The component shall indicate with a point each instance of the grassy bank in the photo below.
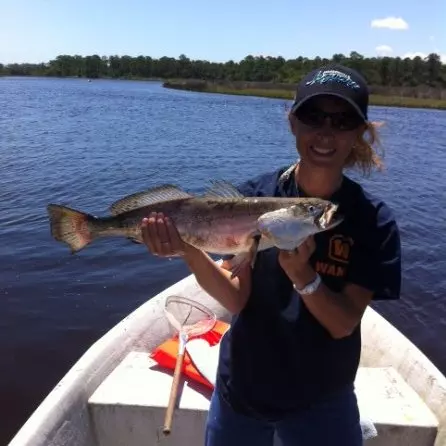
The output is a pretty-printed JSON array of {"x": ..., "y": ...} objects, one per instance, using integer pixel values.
[{"x": 286, "y": 92}]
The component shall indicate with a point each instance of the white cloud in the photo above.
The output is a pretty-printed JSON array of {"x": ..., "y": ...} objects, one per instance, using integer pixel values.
[
  {"x": 390, "y": 23},
  {"x": 383, "y": 50}
]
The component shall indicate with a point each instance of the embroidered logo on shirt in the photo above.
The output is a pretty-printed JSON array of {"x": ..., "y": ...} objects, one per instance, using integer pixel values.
[
  {"x": 330, "y": 269},
  {"x": 339, "y": 248},
  {"x": 322, "y": 77}
]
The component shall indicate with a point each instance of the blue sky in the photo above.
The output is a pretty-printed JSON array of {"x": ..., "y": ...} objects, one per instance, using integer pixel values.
[{"x": 39, "y": 30}]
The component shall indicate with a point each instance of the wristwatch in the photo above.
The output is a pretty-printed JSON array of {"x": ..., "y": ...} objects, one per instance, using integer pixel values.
[{"x": 311, "y": 287}]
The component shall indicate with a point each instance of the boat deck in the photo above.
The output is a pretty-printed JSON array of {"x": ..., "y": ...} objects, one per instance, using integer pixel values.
[
  {"x": 398, "y": 388},
  {"x": 128, "y": 408}
]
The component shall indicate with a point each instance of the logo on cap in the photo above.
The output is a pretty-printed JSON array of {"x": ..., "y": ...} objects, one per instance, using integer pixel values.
[{"x": 322, "y": 77}]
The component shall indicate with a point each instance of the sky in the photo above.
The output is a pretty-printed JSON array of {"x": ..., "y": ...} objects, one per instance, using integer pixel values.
[{"x": 39, "y": 30}]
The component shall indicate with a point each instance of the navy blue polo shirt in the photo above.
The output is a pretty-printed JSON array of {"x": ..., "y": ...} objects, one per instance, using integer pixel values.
[{"x": 277, "y": 358}]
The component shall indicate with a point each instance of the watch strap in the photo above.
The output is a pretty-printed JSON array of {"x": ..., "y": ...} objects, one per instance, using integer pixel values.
[{"x": 311, "y": 287}]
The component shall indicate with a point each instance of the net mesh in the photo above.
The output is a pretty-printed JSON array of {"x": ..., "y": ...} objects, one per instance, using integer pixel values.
[{"x": 188, "y": 316}]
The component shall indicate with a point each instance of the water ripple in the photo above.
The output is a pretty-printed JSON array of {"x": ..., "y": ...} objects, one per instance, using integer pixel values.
[{"x": 87, "y": 144}]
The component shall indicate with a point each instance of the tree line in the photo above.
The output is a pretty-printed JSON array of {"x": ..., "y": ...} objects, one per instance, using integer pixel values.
[{"x": 379, "y": 71}]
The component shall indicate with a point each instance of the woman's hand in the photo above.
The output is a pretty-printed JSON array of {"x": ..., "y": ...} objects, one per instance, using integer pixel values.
[
  {"x": 161, "y": 236},
  {"x": 296, "y": 263}
]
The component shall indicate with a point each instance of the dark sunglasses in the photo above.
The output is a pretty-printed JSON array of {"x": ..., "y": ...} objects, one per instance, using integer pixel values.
[{"x": 315, "y": 118}]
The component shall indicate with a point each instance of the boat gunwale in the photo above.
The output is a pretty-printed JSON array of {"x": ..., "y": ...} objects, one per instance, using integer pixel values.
[
  {"x": 85, "y": 376},
  {"x": 69, "y": 398}
]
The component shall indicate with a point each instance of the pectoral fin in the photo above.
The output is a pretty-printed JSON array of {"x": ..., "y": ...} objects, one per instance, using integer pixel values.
[
  {"x": 242, "y": 259},
  {"x": 255, "y": 249}
]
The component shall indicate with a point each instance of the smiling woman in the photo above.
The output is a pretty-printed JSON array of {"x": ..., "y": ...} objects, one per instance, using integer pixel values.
[
  {"x": 345, "y": 119},
  {"x": 301, "y": 310},
  {"x": 344, "y": 141}
]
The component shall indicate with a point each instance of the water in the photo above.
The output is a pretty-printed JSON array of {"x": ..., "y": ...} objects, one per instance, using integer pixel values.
[{"x": 87, "y": 144}]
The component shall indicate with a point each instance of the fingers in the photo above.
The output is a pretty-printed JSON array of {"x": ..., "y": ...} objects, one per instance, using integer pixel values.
[
  {"x": 152, "y": 234},
  {"x": 176, "y": 243},
  {"x": 303, "y": 253},
  {"x": 310, "y": 245},
  {"x": 160, "y": 235},
  {"x": 162, "y": 240},
  {"x": 146, "y": 230},
  {"x": 306, "y": 248}
]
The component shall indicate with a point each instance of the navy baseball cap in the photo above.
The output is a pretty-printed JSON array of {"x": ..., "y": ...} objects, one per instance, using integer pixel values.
[{"x": 335, "y": 80}]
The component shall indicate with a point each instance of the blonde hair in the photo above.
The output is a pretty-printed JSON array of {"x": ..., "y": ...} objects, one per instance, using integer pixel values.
[{"x": 363, "y": 155}]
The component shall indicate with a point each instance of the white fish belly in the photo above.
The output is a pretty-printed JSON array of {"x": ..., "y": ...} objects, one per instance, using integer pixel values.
[{"x": 226, "y": 236}]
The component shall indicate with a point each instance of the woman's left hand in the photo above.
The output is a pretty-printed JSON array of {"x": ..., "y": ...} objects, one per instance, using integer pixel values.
[{"x": 296, "y": 263}]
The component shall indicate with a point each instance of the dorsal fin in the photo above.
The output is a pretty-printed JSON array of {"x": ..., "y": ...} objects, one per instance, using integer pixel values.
[
  {"x": 222, "y": 189},
  {"x": 153, "y": 195}
]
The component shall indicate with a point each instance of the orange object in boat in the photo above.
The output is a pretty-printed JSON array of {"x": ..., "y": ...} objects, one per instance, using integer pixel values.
[{"x": 166, "y": 353}]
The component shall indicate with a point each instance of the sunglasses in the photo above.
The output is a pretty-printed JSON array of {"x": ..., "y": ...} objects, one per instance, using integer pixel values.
[{"x": 315, "y": 118}]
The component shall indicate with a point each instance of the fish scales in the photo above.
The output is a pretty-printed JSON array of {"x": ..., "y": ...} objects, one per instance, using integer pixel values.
[{"x": 222, "y": 221}]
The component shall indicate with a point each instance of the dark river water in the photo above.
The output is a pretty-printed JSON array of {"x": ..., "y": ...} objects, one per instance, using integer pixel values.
[{"x": 86, "y": 144}]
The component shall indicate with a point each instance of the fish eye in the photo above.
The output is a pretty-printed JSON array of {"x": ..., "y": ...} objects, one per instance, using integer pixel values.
[{"x": 311, "y": 208}]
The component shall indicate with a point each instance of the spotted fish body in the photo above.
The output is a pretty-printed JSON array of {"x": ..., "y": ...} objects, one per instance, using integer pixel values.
[
  {"x": 222, "y": 226},
  {"x": 222, "y": 221}
]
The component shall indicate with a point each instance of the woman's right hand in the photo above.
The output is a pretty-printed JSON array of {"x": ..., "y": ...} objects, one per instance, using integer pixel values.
[{"x": 161, "y": 236}]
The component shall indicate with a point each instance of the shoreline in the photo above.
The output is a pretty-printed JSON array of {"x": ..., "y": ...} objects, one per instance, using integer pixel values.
[
  {"x": 260, "y": 89},
  {"x": 288, "y": 93}
]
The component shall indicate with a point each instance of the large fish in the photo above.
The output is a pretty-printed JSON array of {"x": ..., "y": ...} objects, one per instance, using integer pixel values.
[{"x": 221, "y": 221}]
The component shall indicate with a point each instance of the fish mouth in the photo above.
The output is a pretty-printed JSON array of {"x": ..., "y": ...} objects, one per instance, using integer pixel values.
[{"x": 328, "y": 217}]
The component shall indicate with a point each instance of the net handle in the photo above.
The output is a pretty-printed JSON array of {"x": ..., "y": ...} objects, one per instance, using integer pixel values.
[
  {"x": 174, "y": 389},
  {"x": 183, "y": 338}
]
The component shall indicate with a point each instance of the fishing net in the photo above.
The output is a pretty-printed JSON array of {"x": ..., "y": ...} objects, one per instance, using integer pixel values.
[{"x": 190, "y": 319}]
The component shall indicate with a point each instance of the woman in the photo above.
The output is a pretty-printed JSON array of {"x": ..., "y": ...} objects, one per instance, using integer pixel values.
[{"x": 288, "y": 363}]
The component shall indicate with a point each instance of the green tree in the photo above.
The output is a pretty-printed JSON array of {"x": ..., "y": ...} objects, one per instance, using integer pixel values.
[{"x": 382, "y": 72}]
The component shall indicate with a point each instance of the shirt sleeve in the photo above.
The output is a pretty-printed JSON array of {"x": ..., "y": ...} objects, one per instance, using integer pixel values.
[{"x": 375, "y": 261}]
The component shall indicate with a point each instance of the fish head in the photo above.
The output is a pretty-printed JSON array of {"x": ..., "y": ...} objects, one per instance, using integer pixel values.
[{"x": 288, "y": 227}]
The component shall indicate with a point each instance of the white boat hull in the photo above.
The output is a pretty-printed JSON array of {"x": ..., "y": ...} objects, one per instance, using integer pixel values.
[{"x": 63, "y": 418}]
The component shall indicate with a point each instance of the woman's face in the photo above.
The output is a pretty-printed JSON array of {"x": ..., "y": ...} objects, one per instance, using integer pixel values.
[{"x": 326, "y": 129}]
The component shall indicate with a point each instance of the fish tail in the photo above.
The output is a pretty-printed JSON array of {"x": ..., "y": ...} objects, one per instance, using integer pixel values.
[{"x": 70, "y": 226}]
